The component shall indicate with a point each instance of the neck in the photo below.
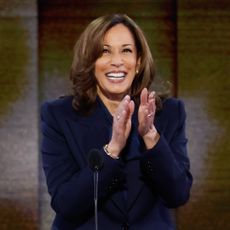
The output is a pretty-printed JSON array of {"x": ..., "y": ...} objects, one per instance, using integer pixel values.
[{"x": 111, "y": 103}]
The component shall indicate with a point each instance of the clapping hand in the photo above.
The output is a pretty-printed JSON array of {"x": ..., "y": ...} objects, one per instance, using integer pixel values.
[
  {"x": 146, "y": 111},
  {"x": 121, "y": 125},
  {"x": 146, "y": 115},
  {"x": 122, "y": 122}
]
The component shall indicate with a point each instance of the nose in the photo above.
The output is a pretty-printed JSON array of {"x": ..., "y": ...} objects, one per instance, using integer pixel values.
[{"x": 116, "y": 60}]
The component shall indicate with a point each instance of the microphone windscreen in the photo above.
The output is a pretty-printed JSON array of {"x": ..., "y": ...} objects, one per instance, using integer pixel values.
[{"x": 95, "y": 159}]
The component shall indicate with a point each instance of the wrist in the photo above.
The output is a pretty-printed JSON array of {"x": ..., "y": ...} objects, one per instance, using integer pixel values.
[
  {"x": 151, "y": 138},
  {"x": 111, "y": 152}
]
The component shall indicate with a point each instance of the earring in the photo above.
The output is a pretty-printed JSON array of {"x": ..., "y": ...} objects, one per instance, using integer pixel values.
[{"x": 137, "y": 71}]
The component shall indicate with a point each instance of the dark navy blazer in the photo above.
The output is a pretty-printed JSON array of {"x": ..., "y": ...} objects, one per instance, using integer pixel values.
[{"x": 136, "y": 191}]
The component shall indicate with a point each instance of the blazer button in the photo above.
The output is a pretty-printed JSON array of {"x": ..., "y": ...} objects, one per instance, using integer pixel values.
[{"x": 125, "y": 226}]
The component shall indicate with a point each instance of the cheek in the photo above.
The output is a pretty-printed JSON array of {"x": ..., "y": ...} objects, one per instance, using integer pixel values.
[
  {"x": 97, "y": 69},
  {"x": 100, "y": 66},
  {"x": 132, "y": 63}
]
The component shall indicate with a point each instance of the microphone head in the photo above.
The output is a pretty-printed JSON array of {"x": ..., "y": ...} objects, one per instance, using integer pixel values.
[{"x": 95, "y": 159}]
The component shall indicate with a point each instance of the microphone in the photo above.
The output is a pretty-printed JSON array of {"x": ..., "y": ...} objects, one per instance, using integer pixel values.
[{"x": 95, "y": 161}]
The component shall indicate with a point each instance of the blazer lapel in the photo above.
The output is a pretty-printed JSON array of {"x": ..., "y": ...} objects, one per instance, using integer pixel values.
[
  {"x": 134, "y": 182},
  {"x": 119, "y": 202},
  {"x": 87, "y": 135}
]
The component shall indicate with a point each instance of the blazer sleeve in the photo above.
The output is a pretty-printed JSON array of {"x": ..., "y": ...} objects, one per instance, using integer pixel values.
[
  {"x": 167, "y": 165},
  {"x": 71, "y": 186}
]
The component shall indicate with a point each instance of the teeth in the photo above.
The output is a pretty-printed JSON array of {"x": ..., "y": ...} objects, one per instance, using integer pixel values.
[{"x": 116, "y": 75}]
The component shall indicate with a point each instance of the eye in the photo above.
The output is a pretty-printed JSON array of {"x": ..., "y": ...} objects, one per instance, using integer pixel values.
[
  {"x": 127, "y": 50},
  {"x": 105, "y": 51}
]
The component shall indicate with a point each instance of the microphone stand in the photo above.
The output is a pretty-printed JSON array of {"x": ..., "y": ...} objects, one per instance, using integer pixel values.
[
  {"x": 95, "y": 176},
  {"x": 95, "y": 160}
]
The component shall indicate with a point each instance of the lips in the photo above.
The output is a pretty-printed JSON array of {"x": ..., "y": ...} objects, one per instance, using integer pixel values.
[{"x": 116, "y": 75}]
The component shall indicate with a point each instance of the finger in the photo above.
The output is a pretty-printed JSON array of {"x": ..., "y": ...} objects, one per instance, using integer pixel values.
[
  {"x": 144, "y": 96},
  {"x": 151, "y": 109},
  {"x": 124, "y": 102},
  {"x": 151, "y": 105},
  {"x": 122, "y": 106},
  {"x": 152, "y": 101},
  {"x": 151, "y": 95},
  {"x": 123, "y": 119},
  {"x": 129, "y": 111},
  {"x": 131, "y": 108},
  {"x": 126, "y": 98},
  {"x": 126, "y": 115}
]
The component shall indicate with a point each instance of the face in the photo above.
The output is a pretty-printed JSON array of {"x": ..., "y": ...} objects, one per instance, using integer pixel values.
[{"x": 115, "y": 69}]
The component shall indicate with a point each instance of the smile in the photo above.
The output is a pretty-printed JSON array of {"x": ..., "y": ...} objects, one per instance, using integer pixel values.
[{"x": 116, "y": 75}]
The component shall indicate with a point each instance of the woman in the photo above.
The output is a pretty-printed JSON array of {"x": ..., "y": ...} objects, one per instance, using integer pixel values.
[{"x": 141, "y": 138}]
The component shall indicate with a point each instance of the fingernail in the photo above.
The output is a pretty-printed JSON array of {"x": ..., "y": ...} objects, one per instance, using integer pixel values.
[{"x": 152, "y": 94}]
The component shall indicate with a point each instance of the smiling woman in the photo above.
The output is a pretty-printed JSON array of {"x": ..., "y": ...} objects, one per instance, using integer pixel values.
[
  {"x": 116, "y": 68},
  {"x": 112, "y": 109},
  {"x": 94, "y": 48}
]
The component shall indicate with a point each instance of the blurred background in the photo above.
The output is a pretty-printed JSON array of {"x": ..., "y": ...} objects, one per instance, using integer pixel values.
[{"x": 190, "y": 42}]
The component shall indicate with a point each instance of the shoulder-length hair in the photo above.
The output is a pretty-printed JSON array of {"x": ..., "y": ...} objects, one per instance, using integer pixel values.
[{"x": 89, "y": 47}]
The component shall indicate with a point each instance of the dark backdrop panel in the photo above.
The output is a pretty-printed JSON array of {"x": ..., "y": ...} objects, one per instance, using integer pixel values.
[
  {"x": 18, "y": 116},
  {"x": 204, "y": 84}
]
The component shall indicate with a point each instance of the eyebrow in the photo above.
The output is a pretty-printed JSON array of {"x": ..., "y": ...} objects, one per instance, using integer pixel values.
[{"x": 122, "y": 45}]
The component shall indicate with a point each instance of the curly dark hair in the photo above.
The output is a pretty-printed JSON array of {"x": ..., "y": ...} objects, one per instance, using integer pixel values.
[{"x": 89, "y": 47}]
